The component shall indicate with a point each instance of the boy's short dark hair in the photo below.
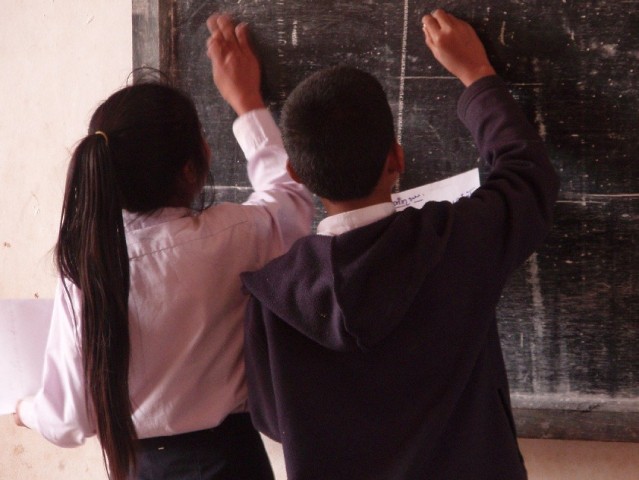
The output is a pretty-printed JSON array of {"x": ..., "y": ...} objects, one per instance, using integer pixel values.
[{"x": 337, "y": 128}]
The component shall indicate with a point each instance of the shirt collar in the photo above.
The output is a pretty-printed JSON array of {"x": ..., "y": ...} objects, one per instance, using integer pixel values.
[{"x": 344, "y": 222}]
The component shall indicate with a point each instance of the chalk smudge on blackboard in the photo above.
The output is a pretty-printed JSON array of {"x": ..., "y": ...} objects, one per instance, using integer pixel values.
[
  {"x": 607, "y": 50},
  {"x": 502, "y": 34}
]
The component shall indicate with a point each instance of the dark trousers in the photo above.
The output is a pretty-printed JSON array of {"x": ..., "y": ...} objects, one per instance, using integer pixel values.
[{"x": 231, "y": 451}]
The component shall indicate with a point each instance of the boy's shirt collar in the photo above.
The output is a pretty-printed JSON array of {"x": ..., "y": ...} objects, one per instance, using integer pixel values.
[{"x": 344, "y": 222}]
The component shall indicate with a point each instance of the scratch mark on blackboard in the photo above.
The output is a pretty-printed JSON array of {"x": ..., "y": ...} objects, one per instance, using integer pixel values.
[{"x": 502, "y": 33}]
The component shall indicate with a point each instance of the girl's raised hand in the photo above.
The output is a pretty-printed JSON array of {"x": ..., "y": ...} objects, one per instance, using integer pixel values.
[{"x": 236, "y": 70}]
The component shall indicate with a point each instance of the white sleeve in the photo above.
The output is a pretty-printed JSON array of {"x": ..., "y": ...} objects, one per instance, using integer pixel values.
[
  {"x": 288, "y": 204},
  {"x": 58, "y": 410}
]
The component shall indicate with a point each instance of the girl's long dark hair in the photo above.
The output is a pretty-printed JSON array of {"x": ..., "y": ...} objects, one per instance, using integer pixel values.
[{"x": 148, "y": 133}]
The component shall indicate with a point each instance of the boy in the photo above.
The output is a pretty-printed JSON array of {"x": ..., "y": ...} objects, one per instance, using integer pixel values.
[{"x": 372, "y": 349}]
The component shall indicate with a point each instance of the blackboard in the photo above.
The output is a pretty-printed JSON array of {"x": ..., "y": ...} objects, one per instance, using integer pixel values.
[{"x": 568, "y": 317}]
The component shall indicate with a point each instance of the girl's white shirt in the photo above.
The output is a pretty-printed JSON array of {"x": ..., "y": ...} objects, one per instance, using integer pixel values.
[{"x": 186, "y": 304}]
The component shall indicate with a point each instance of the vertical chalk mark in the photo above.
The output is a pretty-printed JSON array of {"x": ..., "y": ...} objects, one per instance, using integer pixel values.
[
  {"x": 294, "y": 39},
  {"x": 402, "y": 81},
  {"x": 539, "y": 114},
  {"x": 502, "y": 34},
  {"x": 538, "y": 317},
  {"x": 281, "y": 43},
  {"x": 402, "y": 76}
]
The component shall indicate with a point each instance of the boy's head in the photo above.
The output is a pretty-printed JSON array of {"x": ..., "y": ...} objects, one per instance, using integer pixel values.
[{"x": 338, "y": 129}]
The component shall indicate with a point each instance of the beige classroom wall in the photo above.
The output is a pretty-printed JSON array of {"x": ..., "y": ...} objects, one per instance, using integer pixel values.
[{"x": 58, "y": 59}]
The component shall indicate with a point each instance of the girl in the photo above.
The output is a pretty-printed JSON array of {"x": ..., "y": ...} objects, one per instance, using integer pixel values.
[{"x": 145, "y": 347}]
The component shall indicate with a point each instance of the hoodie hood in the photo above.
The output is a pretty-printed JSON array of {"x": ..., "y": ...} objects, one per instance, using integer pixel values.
[{"x": 351, "y": 291}]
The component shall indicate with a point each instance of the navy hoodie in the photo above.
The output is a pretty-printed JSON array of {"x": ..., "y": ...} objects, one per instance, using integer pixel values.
[{"x": 375, "y": 354}]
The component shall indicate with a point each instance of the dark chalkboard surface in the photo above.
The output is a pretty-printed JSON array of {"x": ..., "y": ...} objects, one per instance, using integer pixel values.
[{"x": 568, "y": 318}]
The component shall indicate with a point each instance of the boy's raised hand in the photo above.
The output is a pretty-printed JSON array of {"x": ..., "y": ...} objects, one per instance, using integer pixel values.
[
  {"x": 236, "y": 70},
  {"x": 456, "y": 46}
]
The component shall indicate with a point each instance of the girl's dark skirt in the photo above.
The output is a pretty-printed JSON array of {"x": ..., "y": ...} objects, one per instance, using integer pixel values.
[{"x": 231, "y": 451}]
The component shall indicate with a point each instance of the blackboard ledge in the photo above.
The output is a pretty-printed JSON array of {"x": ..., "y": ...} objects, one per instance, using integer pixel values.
[{"x": 576, "y": 417}]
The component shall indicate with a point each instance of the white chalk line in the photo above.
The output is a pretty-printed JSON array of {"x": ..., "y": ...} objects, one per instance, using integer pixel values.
[{"x": 402, "y": 77}]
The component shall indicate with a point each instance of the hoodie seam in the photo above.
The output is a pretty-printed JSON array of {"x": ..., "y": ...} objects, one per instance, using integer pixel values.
[{"x": 337, "y": 288}]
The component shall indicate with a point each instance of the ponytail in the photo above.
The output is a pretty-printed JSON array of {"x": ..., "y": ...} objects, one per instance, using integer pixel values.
[
  {"x": 142, "y": 137},
  {"x": 91, "y": 252}
]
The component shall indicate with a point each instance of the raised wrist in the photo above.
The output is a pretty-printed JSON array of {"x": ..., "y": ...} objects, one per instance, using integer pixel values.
[
  {"x": 472, "y": 76},
  {"x": 246, "y": 105}
]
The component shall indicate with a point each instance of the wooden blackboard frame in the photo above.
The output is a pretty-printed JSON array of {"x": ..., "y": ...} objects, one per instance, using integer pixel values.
[{"x": 556, "y": 416}]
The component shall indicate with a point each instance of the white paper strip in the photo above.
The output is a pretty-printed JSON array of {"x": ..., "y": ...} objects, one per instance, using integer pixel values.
[{"x": 450, "y": 189}]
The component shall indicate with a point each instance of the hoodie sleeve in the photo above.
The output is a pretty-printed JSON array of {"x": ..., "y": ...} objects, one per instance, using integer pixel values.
[{"x": 512, "y": 211}]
